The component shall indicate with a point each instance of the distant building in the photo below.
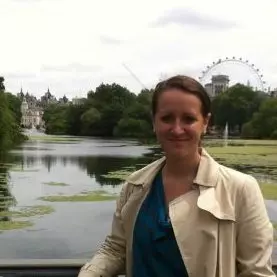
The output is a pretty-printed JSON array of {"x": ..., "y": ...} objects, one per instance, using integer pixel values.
[
  {"x": 63, "y": 100},
  {"x": 273, "y": 93},
  {"x": 219, "y": 84},
  {"x": 209, "y": 89},
  {"x": 31, "y": 113},
  {"x": 47, "y": 99},
  {"x": 78, "y": 101},
  {"x": 32, "y": 109}
]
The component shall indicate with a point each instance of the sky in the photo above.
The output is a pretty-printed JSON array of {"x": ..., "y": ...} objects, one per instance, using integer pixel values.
[{"x": 72, "y": 46}]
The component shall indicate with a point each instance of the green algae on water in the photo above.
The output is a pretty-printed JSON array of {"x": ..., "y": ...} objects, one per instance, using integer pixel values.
[
  {"x": 14, "y": 225},
  {"x": 82, "y": 197},
  {"x": 56, "y": 184}
]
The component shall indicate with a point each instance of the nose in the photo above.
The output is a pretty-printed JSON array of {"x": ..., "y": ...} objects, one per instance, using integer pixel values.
[{"x": 177, "y": 128}]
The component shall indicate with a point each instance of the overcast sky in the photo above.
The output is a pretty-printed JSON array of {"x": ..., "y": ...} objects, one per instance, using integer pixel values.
[{"x": 71, "y": 46}]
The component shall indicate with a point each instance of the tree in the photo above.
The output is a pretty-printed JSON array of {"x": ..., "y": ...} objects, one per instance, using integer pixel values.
[
  {"x": 110, "y": 110},
  {"x": 10, "y": 131},
  {"x": 73, "y": 115},
  {"x": 55, "y": 117},
  {"x": 131, "y": 127},
  {"x": 264, "y": 122},
  {"x": 145, "y": 97},
  {"x": 15, "y": 106},
  {"x": 111, "y": 101},
  {"x": 2, "y": 86},
  {"x": 236, "y": 106},
  {"x": 88, "y": 119}
]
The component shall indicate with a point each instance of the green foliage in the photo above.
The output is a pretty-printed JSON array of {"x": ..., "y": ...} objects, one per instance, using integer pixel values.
[
  {"x": 236, "y": 106},
  {"x": 264, "y": 122},
  {"x": 88, "y": 120},
  {"x": 56, "y": 116},
  {"x": 2, "y": 86},
  {"x": 14, "y": 104},
  {"x": 10, "y": 131},
  {"x": 131, "y": 127},
  {"x": 85, "y": 197},
  {"x": 112, "y": 110}
]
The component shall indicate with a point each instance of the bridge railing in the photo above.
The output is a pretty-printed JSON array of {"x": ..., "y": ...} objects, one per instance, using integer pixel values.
[{"x": 47, "y": 268}]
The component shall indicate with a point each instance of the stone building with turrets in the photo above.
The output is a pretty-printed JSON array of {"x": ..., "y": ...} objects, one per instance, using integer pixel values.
[
  {"x": 47, "y": 99},
  {"x": 31, "y": 111}
]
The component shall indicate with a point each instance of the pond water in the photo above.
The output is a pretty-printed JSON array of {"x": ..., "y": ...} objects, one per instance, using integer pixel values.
[
  {"x": 74, "y": 229},
  {"x": 68, "y": 166}
]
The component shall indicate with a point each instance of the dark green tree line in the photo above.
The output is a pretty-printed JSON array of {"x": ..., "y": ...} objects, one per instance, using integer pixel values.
[
  {"x": 252, "y": 112},
  {"x": 264, "y": 122},
  {"x": 114, "y": 111},
  {"x": 109, "y": 111},
  {"x": 236, "y": 106}
]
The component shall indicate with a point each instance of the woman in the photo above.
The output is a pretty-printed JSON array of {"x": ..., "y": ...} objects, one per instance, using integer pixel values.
[{"x": 185, "y": 214}]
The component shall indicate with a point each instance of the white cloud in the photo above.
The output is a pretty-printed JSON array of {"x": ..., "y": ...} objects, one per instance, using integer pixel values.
[
  {"x": 188, "y": 17},
  {"x": 72, "y": 46}
]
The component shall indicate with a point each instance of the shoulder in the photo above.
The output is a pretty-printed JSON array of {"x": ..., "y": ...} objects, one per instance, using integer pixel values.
[
  {"x": 240, "y": 190},
  {"x": 146, "y": 174},
  {"x": 229, "y": 182},
  {"x": 139, "y": 179},
  {"x": 214, "y": 174},
  {"x": 235, "y": 179}
]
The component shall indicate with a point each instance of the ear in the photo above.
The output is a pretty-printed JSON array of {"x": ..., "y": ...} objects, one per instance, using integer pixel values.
[{"x": 206, "y": 122}]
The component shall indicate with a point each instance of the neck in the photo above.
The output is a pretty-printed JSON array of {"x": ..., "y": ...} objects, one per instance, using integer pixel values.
[{"x": 184, "y": 167}]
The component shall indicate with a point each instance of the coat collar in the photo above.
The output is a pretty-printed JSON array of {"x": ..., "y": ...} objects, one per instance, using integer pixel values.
[{"x": 207, "y": 173}]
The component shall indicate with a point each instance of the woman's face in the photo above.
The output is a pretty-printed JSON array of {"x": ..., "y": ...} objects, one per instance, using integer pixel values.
[{"x": 179, "y": 123}]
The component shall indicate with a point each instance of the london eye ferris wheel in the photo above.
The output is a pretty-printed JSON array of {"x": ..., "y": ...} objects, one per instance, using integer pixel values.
[{"x": 238, "y": 70}]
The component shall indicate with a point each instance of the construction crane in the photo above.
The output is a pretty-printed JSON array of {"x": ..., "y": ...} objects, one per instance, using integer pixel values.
[{"x": 134, "y": 76}]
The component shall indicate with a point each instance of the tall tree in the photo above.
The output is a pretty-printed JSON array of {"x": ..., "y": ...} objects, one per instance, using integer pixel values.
[
  {"x": 264, "y": 122},
  {"x": 236, "y": 106},
  {"x": 15, "y": 106},
  {"x": 2, "y": 86},
  {"x": 10, "y": 131}
]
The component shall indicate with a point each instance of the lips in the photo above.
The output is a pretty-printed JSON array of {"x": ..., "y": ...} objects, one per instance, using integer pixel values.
[{"x": 178, "y": 140}]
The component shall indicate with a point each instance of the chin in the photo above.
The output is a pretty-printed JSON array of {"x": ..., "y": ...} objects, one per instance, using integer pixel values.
[{"x": 179, "y": 153}]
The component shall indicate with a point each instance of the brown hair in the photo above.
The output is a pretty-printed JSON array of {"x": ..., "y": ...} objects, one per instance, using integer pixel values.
[{"x": 186, "y": 84}]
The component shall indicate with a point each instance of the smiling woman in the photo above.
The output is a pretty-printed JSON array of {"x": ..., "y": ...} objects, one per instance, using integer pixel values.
[
  {"x": 175, "y": 215},
  {"x": 188, "y": 213}
]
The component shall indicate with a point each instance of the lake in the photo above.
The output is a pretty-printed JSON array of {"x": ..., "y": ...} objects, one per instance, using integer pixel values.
[
  {"x": 50, "y": 166},
  {"x": 44, "y": 168}
]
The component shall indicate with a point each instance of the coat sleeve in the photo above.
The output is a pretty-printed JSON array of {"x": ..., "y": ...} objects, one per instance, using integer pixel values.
[
  {"x": 109, "y": 260},
  {"x": 254, "y": 233}
]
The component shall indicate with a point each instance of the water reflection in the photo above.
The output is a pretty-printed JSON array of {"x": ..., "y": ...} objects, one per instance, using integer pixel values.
[
  {"x": 6, "y": 198},
  {"x": 94, "y": 167},
  {"x": 81, "y": 165}
]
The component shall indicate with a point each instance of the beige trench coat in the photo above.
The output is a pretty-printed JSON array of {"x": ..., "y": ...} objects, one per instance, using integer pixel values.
[{"x": 223, "y": 230}]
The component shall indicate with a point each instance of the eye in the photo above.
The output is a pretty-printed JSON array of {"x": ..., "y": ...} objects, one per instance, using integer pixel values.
[
  {"x": 189, "y": 119},
  {"x": 167, "y": 118}
]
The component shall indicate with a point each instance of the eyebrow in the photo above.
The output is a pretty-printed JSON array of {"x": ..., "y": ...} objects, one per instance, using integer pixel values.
[{"x": 186, "y": 113}]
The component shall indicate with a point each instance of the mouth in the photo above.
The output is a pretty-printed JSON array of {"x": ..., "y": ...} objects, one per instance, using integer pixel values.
[{"x": 179, "y": 140}]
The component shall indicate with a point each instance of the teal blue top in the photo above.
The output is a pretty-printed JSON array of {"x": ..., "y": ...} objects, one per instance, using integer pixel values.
[{"x": 155, "y": 251}]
